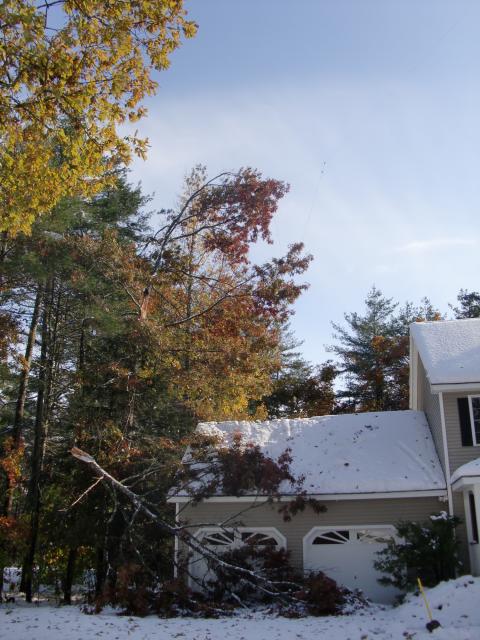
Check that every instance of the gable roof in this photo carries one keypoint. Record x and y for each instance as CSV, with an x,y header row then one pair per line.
x,y
449,349
389,451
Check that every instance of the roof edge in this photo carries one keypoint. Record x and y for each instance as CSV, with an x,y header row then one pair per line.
x,y
372,495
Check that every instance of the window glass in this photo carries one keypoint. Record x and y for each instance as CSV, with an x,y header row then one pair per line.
x,y
476,418
219,538
473,517
261,539
332,537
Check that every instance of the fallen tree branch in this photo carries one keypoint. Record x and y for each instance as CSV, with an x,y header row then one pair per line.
x,y
268,587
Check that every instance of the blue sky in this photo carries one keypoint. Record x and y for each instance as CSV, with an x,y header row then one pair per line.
x,y
369,109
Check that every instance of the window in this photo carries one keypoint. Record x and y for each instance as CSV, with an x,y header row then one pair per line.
x,y
230,538
332,537
219,538
473,517
374,536
258,539
474,406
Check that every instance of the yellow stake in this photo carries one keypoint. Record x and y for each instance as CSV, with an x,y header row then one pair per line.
x,y
420,586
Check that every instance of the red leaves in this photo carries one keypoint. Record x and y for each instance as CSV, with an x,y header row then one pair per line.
x,y
237,210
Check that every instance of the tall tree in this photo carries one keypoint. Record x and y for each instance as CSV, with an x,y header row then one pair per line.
x,y
138,334
373,352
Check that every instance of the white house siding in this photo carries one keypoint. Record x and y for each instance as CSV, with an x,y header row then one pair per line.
x,y
430,404
339,513
458,455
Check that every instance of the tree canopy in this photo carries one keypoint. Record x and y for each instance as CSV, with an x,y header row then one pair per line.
x,y
72,72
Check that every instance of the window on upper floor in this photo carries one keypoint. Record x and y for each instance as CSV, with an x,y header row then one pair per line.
x,y
469,416
474,407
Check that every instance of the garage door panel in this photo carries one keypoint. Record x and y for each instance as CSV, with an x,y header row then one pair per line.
x,y
348,557
221,540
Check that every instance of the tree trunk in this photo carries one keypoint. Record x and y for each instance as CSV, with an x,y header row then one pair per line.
x,y
69,575
100,571
33,498
22,392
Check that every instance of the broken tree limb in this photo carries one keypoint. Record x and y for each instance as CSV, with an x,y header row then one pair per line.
x,y
268,587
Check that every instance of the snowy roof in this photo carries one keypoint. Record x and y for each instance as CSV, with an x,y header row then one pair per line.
x,y
469,470
450,350
351,453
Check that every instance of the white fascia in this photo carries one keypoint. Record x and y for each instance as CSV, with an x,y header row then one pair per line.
x,y
445,453
380,495
455,387
413,377
176,543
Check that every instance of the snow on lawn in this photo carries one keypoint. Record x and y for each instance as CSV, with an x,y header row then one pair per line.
x,y
455,604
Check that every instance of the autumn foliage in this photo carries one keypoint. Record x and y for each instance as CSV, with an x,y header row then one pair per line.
x,y
72,72
129,335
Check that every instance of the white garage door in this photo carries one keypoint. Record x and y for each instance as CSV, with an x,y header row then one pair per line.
x,y
220,540
347,555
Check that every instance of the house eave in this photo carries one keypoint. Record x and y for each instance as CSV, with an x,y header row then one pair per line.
x,y
454,387
374,495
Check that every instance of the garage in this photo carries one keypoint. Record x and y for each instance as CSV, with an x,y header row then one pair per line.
x,y
347,554
222,539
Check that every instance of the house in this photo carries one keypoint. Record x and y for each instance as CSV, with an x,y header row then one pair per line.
x,y
370,470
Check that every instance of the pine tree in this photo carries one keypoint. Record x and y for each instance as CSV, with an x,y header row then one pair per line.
x,y
469,305
373,353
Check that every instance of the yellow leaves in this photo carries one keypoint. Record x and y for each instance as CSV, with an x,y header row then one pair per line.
x,y
64,94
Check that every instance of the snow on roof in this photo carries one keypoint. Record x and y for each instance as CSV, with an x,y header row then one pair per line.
x,y
469,470
450,350
351,453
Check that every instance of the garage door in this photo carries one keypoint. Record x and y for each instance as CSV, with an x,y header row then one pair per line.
x,y
347,555
220,540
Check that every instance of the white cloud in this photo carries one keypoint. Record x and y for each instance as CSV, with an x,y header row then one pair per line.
x,y
421,246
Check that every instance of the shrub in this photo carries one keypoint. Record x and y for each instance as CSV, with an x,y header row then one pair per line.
x,y
322,595
314,594
428,550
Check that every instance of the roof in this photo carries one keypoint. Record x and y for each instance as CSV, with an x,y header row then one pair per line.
x,y
449,349
469,470
389,451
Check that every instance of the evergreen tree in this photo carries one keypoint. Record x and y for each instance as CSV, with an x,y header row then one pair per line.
x,y
299,389
373,352
468,305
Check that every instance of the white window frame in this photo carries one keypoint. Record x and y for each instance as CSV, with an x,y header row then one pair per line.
x,y
472,422
237,542
314,531
237,531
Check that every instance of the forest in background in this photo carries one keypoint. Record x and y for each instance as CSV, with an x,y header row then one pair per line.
x,y
117,337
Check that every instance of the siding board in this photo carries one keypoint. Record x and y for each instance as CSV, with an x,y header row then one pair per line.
x,y
342,512
430,404
458,455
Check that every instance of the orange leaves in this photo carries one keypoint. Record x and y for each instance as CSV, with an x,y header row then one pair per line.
x,y
12,461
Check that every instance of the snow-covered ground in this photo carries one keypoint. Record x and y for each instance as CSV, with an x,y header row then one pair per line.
x,y
456,605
